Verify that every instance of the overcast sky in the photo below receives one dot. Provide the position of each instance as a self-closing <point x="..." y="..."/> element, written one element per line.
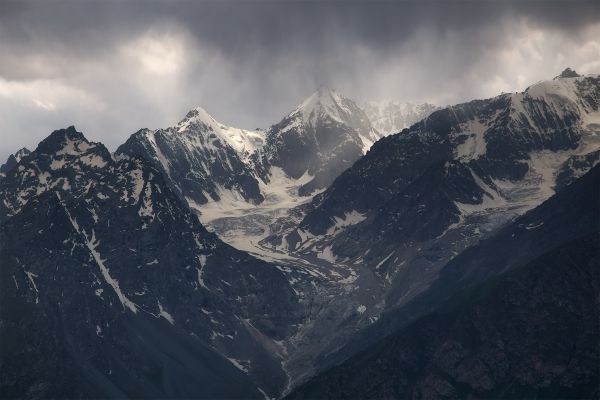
<point x="111" y="68"/>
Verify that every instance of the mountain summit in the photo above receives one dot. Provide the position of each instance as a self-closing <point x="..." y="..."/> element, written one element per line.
<point x="327" y="103"/>
<point x="243" y="141"/>
<point x="568" y="73"/>
<point x="203" y="159"/>
<point x="321" y="137"/>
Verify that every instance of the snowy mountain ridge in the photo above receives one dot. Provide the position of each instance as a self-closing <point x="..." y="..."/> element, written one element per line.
<point x="514" y="148"/>
<point x="243" y="141"/>
<point x="216" y="166"/>
<point x="392" y="116"/>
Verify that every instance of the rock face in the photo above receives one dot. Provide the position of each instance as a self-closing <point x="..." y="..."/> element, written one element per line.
<point x="107" y="270"/>
<point x="568" y="73"/>
<point x="391" y="116"/>
<point x="203" y="159"/>
<point x="493" y="313"/>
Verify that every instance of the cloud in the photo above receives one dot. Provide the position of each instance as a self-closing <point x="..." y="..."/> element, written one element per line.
<point x="113" y="67"/>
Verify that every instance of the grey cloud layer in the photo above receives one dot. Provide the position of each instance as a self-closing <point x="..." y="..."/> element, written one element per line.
<point x="111" y="68"/>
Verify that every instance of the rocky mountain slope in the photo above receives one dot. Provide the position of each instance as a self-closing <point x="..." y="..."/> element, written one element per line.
<point x="107" y="271"/>
<point x="570" y="214"/>
<point x="531" y="286"/>
<point x="530" y="334"/>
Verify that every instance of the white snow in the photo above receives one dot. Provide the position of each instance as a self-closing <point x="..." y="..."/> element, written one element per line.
<point x="93" y="160"/>
<point x="475" y="144"/>
<point x="265" y="395"/>
<point x="384" y="260"/>
<point x="349" y="218"/>
<point x="361" y="309"/>
<point x="57" y="164"/>
<point x="237" y="364"/>
<point x="137" y="176"/>
<point x="281" y="193"/>
<point x="163" y="313"/>
<point x="202" y="261"/>
<point x="146" y="209"/>
<point x="69" y="148"/>
<point x="92" y="245"/>
<point x="327" y="255"/>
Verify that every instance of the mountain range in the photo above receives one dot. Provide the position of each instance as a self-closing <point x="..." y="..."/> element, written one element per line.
<point x="347" y="251"/>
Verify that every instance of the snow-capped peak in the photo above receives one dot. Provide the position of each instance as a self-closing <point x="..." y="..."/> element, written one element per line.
<point x="323" y="97"/>
<point x="569" y="93"/>
<point x="197" y="115"/>
<point x="324" y="102"/>
<point x="327" y="107"/>
<point x="198" y="120"/>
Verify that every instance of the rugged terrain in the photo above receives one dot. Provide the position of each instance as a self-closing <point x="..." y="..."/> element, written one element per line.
<point x="203" y="260"/>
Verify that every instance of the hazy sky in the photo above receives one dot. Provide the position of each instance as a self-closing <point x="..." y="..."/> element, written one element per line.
<point x="111" y="68"/>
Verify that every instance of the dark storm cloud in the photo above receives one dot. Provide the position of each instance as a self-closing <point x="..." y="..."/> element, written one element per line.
<point x="114" y="67"/>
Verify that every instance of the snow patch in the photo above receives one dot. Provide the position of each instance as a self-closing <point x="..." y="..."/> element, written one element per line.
<point x="163" y="313"/>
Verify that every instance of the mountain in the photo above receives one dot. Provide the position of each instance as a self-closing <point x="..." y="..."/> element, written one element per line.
<point x="568" y="215"/>
<point x="109" y="266"/>
<point x="390" y="116"/>
<point x="12" y="160"/>
<point x="482" y="326"/>
<point x="320" y="138"/>
<point x="531" y="334"/>
<point x="416" y="200"/>
<point x="111" y="276"/>
<point x="460" y="172"/>
<point x="203" y="159"/>
<point x="208" y="162"/>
